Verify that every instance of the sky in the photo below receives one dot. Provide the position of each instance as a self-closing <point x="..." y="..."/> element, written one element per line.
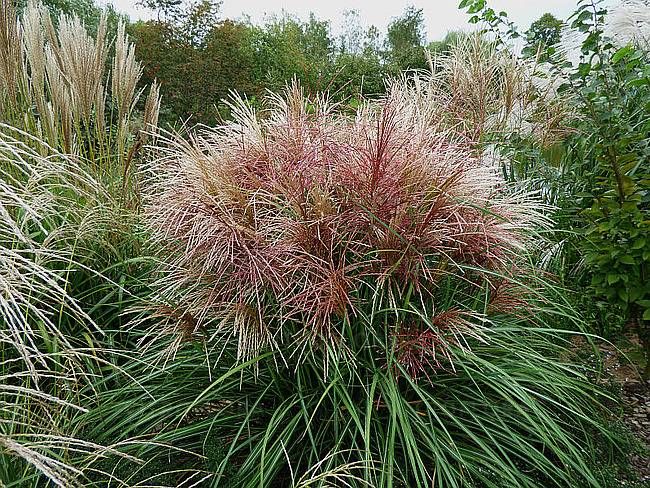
<point x="441" y="16"/>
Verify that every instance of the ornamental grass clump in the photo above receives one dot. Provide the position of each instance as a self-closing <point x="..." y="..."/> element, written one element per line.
<point x="54" y="84"/>
<point x="491" y="96"/>
<point x="287" y="230"/>
<point x="50" y="345"/>
<point x="355" y="295"/>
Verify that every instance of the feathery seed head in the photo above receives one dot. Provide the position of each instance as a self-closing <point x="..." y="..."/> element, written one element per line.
<point x="125" y="74"/>
<point x="287" y="229"/>
<point x="11" y="58"/>
<point x="481" y="92"/>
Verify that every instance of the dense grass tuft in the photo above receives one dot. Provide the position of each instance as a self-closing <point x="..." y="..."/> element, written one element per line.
<point x="373" y="279"/>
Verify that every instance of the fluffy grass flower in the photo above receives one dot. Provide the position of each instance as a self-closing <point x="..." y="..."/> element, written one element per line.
<point x="284" y="229"/>
<point x="354" y="294"/>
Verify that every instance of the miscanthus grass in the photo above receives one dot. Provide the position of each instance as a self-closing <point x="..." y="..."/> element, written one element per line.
<point x="363" y="295"/>
<point x="58" y="84"/>
<point x="488" y="95"/>
<point x="283" y="223"/>
<point x="67" y="148"/>
<point x="50" y="344"/>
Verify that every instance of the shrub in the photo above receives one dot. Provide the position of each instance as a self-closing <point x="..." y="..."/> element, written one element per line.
<point x="598" y="173"/>
<point x="615" y="202"/>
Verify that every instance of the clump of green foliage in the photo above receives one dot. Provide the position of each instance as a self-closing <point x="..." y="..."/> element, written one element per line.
<point x="599" y="173"/>
<point x="613" y="82"/>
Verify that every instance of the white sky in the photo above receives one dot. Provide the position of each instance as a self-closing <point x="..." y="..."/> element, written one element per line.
<point x="440" y="16"/>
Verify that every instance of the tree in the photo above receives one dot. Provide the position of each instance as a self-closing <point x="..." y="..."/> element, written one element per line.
<point x="196" y="77"/>
<point x="198" y="20"/>
<point x="352" y="35"/>
<point x="229" y="64"/>
<point x="287" y="47"/>
<point x="544" y="33"/>
<point x="87" y="11"/>
<point x="443" y="46"/>
<point x="405" y="41"/>
<point x="191" y="20"/>
<point x="167" y="9"/>
<point x="372" y="43"/>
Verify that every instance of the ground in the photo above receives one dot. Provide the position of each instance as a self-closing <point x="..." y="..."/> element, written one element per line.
<point x="636" y="395"/>
<point x="620" y="362"/>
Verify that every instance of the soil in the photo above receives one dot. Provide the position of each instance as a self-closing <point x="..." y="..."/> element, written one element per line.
<point x="636" y="397"/>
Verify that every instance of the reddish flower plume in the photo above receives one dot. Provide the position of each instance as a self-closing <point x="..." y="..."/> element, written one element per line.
<point x="283" y="227"/>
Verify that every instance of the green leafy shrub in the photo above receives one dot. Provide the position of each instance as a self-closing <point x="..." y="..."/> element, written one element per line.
<point x="614" y="88"/>
<point x="599" y="174"/>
